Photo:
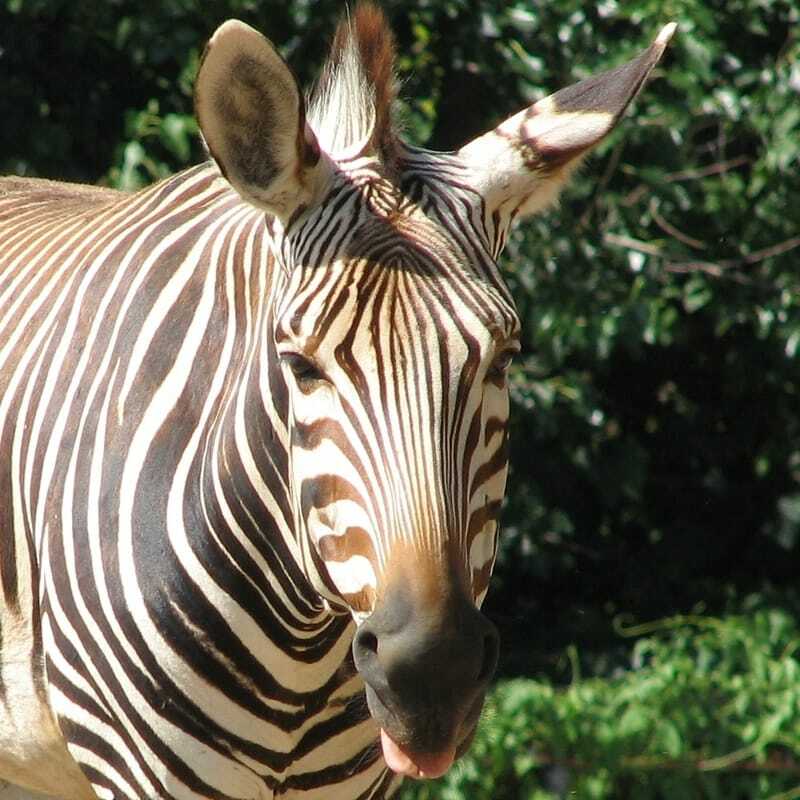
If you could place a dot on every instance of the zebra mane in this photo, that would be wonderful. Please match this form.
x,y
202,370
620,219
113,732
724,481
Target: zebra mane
x,y
351,106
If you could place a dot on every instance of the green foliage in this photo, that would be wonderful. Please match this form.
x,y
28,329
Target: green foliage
x,y
656,442
707,708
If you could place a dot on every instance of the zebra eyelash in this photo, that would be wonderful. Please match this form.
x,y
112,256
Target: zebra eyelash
x,y
306,373
499,367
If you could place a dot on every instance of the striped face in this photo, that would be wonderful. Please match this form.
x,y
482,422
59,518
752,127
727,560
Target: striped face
x,y
395,342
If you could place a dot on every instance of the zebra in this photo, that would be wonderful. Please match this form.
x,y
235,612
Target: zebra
x,y
253,426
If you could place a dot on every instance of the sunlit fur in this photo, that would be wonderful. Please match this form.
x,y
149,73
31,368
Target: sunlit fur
x,y
350,109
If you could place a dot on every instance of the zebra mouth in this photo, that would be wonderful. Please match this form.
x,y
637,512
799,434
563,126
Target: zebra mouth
x,y
420,748
415,765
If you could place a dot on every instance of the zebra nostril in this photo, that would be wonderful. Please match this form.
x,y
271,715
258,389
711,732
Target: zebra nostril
x,y
365,656
369,642
491,650
365,650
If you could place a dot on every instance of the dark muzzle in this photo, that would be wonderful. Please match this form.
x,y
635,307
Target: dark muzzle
x,y
427,662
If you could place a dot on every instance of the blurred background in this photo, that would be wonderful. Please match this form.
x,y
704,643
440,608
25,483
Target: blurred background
x,y
647,585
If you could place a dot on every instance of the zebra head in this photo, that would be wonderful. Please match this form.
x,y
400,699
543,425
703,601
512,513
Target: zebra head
x,y
393,331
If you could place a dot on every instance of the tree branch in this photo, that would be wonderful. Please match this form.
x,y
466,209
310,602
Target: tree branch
x,y
705,172
672,231
689,175
627,243
737,761
723,268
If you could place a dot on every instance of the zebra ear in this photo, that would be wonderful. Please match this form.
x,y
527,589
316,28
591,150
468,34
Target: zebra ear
x,y
521,165
252,116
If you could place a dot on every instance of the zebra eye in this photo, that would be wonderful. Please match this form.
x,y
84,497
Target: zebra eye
x,y
497,372
305,371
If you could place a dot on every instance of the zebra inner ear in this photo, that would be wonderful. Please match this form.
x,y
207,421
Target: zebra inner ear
x,y
252,116
521,165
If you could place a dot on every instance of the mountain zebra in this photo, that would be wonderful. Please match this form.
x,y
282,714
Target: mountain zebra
x,y
252,427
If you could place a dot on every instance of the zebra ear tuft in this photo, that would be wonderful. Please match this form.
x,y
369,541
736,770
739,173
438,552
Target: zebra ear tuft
x,y
521,166
252,116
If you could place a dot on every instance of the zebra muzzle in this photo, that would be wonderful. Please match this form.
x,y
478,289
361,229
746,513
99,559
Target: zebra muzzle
x,y
426,665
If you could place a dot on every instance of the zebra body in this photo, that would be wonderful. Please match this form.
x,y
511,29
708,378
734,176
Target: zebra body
x,y
252,440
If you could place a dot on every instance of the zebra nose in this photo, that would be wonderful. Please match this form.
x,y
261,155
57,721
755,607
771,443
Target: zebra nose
x,y
415,655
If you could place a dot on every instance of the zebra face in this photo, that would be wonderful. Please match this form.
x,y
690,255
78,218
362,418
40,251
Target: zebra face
x,y
395,353
393,333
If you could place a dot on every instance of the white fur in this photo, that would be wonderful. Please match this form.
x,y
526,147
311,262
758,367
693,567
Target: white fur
x,y
343,114
8,791
32,749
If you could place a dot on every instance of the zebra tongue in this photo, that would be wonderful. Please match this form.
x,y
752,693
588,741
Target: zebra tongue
x,y
414,766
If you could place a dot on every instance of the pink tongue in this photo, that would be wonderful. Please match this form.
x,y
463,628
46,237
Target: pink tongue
x,y
427,766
